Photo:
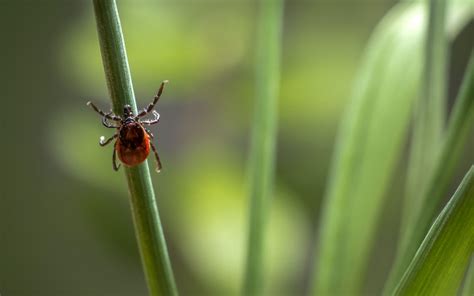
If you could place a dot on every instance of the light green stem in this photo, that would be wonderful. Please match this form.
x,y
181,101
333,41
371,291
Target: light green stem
x,y
151,241
262,154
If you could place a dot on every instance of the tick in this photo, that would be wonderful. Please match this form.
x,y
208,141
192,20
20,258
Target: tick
x,y
133,140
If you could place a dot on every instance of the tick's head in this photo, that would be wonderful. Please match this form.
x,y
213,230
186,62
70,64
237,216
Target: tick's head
x,y
127,111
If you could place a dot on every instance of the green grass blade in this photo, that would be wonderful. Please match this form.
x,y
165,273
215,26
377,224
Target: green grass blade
x,y
430,112
468,289
369,144
262,153
441,261
460,123
151,241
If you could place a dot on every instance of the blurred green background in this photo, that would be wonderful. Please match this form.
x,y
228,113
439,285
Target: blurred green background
x,y
65,224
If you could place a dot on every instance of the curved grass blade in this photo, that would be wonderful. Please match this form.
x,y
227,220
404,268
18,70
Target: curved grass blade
x,y
368,146
441,261
461,122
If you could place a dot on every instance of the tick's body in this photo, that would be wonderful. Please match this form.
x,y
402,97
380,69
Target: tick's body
x,y
133,139
133,144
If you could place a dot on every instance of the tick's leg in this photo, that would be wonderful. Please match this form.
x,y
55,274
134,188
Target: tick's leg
x,y
155,100
108,116
106,122
149,133
103,142
158,162
152,121
114,160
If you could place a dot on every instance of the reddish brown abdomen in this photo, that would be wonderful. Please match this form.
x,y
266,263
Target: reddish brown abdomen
x,y
133,146
132,157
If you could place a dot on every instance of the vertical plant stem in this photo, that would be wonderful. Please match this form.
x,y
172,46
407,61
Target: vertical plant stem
x,y
262,153
151,241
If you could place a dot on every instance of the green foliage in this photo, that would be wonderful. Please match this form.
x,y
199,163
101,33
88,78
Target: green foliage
x,y
434,153
66,209
369,145
442,259
456,134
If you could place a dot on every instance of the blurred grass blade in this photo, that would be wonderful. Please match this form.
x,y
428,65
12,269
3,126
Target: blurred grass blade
x,y
262,153
468,289
441,261
460,123
151,241
368,147
430,112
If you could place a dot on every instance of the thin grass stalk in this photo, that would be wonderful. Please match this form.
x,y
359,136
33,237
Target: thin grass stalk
x,y
263,145
148,229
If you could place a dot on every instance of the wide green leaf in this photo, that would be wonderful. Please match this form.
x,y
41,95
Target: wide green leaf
x,y
442,259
